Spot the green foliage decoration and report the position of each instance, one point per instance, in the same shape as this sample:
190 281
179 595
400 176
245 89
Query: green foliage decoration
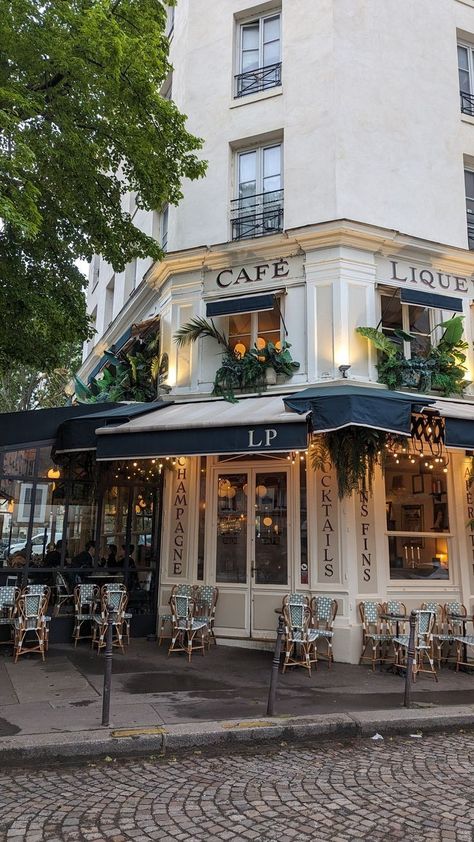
442 369
354 452
127 377
238 372
82 123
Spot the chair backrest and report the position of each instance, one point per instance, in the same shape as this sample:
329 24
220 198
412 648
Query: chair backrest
8 596
37 589
206 595
32 606
369 613
324 609
182 607
296 612
85 594
116 598
182 590
394 606
425 621
61 582
455 608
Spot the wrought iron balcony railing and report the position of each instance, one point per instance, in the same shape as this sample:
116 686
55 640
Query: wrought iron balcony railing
257 216
467 103
254 81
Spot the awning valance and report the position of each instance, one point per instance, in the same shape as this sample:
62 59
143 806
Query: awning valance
244 304
253 425
459 423
78 433
39 426
430 299
335 407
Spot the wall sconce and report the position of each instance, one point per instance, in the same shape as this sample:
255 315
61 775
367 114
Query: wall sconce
54 473
344 369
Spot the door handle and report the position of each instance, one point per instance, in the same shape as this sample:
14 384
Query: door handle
253 570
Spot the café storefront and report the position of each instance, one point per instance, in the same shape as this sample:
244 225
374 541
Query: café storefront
218 493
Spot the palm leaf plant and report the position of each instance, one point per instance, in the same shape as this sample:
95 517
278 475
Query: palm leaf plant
238 371
129 377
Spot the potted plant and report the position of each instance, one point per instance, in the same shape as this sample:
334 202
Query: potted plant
442 369
241 369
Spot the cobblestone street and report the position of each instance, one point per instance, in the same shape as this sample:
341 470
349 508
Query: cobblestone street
400 789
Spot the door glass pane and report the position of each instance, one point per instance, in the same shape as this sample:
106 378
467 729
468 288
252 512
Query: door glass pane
231 562
271 551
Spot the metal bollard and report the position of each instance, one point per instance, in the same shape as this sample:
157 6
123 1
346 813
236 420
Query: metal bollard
108 667
410 659
275 668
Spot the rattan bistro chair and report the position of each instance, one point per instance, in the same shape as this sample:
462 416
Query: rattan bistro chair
300 638
323 612
188 633
8 598
178 590
425 621
439 635
86 598
127 616
31 625
374 633
117 600
64 594
205 597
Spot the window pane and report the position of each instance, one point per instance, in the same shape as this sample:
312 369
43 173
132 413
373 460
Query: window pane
240 330
250 60
464 85
269 320
247 167
19 462
271 555
419 319
391 313
231 563
250 47
271 161
271 53
469 181
417 506
463 61
271 29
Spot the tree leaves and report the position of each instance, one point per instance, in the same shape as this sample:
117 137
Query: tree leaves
82 123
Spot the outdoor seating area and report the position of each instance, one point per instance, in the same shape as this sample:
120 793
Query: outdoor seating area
192 618
308 622
25 612
440 635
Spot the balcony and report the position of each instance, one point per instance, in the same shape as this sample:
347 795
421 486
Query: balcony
257 216
467 103
260 79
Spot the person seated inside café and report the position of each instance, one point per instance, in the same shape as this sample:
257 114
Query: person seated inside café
111 560
53 556
18 559
86 557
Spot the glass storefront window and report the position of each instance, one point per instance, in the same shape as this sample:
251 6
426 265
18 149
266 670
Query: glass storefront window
232 528
417 511
202 518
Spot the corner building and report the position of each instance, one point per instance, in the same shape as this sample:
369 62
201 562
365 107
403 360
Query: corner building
339 193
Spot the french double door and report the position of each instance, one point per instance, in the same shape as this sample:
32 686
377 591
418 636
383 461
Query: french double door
251 547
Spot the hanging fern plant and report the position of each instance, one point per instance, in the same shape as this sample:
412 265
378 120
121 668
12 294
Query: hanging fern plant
354 452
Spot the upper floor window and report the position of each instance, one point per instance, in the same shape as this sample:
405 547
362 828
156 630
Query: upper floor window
258 208
410 318
259 66
170 20
466 78
246 328
164 228
469 182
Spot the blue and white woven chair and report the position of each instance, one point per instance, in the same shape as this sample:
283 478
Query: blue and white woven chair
86 598
453 628
179 590
374 634
64 594
188 633
8 598
439 635
323 611
425 621
205 597
117 600
31 625
300 638
120 587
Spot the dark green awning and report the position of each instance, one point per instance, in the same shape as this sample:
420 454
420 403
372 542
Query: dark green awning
78 433
335 407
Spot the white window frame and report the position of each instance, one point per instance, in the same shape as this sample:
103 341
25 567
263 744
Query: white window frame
164 228
469 213
261 27
470 65
254 321
259 150
435 316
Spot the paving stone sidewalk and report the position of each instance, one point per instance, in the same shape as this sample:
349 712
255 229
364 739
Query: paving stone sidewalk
63 694
407 789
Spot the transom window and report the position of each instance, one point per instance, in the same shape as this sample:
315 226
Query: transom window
259 66
466 77
246 328
411 318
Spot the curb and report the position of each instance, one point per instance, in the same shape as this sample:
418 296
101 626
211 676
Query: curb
136 742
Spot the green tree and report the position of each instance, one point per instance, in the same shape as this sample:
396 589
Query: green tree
24 388
82 123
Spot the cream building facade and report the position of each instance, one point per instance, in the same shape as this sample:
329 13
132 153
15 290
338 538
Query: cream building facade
339 185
